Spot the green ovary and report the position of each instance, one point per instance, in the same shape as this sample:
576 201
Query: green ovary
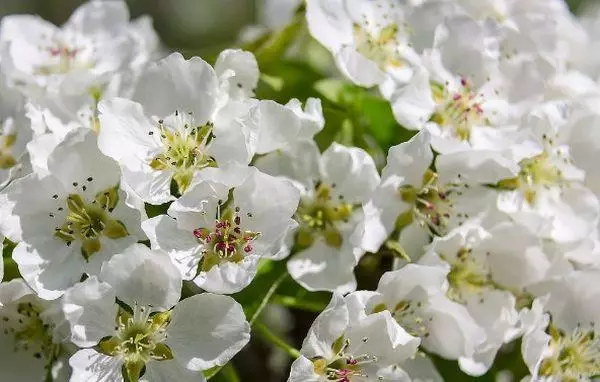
320 215
88 222
139 339
184 153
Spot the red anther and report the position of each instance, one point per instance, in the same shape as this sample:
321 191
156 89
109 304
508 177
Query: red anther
231 248
463 81
237 230
237 220
220 246
219 225
351 361
201 233
248 248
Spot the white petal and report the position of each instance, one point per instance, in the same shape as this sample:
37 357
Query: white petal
89 365
303 370
322 267
228 277
223 332
358 68
331 323
352 171
175 83
244 68
90 309
181 245
139 275
277 126
124 131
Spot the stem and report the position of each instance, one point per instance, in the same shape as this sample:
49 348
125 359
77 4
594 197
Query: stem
230 373
268 335
267 297
293 302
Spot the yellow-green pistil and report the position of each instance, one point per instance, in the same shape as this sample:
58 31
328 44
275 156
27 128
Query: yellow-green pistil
7 160
31 333
320 216
536 172
185 152
138 339
460 110
381 48
431 205
89 221
574 357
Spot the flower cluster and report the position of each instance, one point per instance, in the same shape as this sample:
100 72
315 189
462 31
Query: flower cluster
139 190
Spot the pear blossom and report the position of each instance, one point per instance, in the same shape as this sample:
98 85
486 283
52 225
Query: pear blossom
561 338
34 339
414 203
68 222
368 39
549 196
333 186
154 339
219 229
489 272
96 43
342 347
172 135
415 296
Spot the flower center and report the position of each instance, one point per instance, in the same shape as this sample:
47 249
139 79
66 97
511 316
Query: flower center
88 222
185 150
7 160
344 367
432 204
62 59
381 48
467 276
408 314
227 241
536 173
138 339
458 111
574 357
30 332
320 215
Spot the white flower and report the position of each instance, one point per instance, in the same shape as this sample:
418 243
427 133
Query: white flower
95 43
368 39
179 128
342 347
333 187
31 335
548 196
489 272
415 296
564 346
70 221
413 202
220 228
155 339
